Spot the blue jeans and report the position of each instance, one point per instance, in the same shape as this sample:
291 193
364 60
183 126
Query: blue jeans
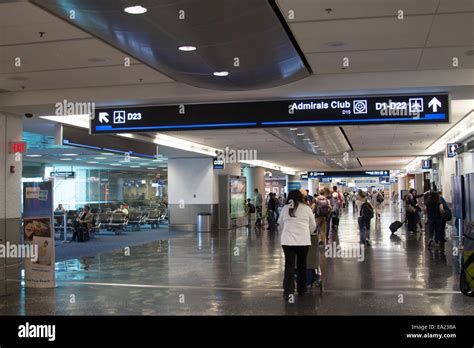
364 229
434 228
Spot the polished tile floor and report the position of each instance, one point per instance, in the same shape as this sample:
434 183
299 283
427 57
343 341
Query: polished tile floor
240 273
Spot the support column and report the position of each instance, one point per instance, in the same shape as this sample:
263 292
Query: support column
293 182
419 181
313 186
10 202
255 179
193 188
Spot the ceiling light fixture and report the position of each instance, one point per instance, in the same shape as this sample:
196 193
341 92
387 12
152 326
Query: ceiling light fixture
300 134
70 154
221 73
187 48
93 162
135 9
34 155
65 159
293 129
100 158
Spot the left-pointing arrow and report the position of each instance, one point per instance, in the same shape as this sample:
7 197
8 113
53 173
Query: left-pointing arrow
103 117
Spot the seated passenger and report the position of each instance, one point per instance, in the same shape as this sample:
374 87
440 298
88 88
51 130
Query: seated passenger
122 209
60 209
83 221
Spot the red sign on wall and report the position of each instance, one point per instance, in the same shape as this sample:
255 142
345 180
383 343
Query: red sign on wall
18 147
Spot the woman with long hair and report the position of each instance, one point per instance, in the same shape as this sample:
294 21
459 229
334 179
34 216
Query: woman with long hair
296 222
434 209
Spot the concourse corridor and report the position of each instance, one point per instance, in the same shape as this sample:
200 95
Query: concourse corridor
240 273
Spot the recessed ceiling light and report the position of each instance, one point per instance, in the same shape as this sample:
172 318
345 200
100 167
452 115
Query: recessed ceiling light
135 9
34 155
93 162
187 48
300 134
100 158
469 53
143 164
221 73
70 154
293 129
115 164
124 161
106 154
152 168
335 44
134 166
98 59
157 160
306 139
65 159
17 78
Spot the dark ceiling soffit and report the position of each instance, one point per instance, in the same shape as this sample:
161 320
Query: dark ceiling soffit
269 55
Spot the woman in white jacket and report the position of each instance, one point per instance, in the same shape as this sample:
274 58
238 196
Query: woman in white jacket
296 222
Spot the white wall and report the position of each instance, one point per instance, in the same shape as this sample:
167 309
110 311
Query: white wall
188 177
195 176
467 162
447 168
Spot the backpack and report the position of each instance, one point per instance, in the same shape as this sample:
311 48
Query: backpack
380 198
322 207
367 211
336 205
447 215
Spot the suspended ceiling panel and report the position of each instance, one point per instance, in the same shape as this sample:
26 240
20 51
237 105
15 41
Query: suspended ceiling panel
222 31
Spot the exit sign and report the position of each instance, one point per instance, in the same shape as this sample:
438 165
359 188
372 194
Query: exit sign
18 147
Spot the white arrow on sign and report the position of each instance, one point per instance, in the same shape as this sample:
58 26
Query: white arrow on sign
435 104
103 117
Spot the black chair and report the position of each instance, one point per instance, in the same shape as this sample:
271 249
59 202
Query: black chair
103 220
117 223
153 218
134 219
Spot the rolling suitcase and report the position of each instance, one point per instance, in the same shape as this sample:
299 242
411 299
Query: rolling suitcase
82 234
394 226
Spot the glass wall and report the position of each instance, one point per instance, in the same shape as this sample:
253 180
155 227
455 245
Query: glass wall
75 186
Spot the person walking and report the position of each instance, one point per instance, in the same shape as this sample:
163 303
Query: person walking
365 214
296 222
410 212
258 199
322 209
435 209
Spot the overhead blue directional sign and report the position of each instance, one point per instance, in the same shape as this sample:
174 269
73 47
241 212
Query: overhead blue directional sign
278 113
348 174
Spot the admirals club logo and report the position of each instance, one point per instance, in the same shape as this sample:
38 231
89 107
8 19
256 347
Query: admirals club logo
37 331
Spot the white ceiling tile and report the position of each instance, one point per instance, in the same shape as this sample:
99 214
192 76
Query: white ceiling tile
305 10
365 61
452 30
362 34
442 58
456 6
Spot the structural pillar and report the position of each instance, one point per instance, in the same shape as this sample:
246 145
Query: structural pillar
11 128
255 179
313 186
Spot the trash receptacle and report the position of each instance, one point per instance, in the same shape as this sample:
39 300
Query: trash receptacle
204 222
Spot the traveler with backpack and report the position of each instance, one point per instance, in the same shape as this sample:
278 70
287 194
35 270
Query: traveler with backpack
377 202
297 223
250 209
272 213
447 216
335 214
435 210
410 212
365 214
322 210
258 208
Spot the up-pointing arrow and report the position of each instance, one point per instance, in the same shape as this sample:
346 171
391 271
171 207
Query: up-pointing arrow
103 117
435 104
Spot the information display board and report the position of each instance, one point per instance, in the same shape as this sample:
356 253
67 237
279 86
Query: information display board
278 113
